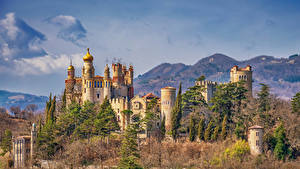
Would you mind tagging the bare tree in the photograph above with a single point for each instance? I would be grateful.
(16, 110)
(31, 108)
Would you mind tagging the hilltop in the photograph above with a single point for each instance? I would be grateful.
(281, 74)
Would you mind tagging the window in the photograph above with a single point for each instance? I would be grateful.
(101, 84)
(257, 142)
(90, 84)
(98, 96)
(257, 134)
(106, 84)
(84, 90)
(95, 84)
(98, 84)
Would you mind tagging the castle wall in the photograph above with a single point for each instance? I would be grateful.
(168, 97)
(118, 105)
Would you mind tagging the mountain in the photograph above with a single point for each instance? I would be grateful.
(281, 74)
(8, 99)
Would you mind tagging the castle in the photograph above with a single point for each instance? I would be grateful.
(236, 74)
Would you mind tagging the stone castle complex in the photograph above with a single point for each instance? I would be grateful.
(119, 90)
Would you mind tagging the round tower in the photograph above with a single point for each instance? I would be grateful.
(242, 74)
(168, 97)
(107, 83)
(255, 139)
(88, 73)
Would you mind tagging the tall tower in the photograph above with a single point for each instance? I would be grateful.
(168, 97)
(242, 74)
(117, 74)
(33, 140)
(255, 139)
(88, 73)
(70, 83)
(107, 83)
(130, 82)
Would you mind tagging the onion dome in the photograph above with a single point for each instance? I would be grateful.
(71, 67)
(88, 56)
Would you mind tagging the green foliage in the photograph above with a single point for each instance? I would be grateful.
(106, 121)
(224, 128)
(129, 148)
(201, 129)
(282, 148)
(238, 150)
(214, 136)
(208, 130)
(6, 143)
(192, 131)
(64, 101)
(228, 99)
(296, 103)
(238, 131)
(176, 115)
(46, 144)
(263, 98)
(193, 98)
(163, 127)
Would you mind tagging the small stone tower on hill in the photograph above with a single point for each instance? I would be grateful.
(255, 139)
(168, 97)
(245, 74)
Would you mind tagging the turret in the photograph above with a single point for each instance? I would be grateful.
(168, 97)
(71, 71)
(242, 74)
(117, 73)
(255, 139)
(106, 73)
(70, 81)
(107, 83)
(88, 73)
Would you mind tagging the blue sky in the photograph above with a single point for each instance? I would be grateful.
(37, 37)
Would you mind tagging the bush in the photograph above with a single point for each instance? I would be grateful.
(238, 150)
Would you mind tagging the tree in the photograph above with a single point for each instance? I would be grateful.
(282, 148)
(6, 143)
(296, 103)
(208, 131)
(224, 128)
(193, 99)
(176, 115)
(201, 129)
(163, 127)
(192, 133)
(16, 110)
(263, 98)
(214, 136)
(129, 148)
(201, 78)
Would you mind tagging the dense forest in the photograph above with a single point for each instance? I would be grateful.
(203, 135)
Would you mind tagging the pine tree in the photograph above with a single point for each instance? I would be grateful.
(201, 129)
(282, 148)
(208, 131)
(264, 98)
(224, 128)
(163, 127)
(214, 136)
(64, 101)
(176, 115)
(192, 133)
(296, 103)
(6, 145)
(129, 148)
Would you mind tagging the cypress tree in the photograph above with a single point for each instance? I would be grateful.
(264, 98)
(208, 131)
(163, 127)
(214, 136)
(64, 101)
(282, 148)
(129, 148)
(201, 129)
(176, 115)
(224, 128)
(192, 133)
(296, 103)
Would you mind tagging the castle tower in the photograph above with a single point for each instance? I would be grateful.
(70, 83)
(168, 97)
(33, 140)
(117, 74)
(130, 82)
(107, 83)
(209, 89)
(88, 73)
(255, 139)
(238, 74)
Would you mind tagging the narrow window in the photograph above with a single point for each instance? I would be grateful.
(257, 142)
(98, 84)
(98, 96)
(257, 134)
(106, 84)
(90, 84)
(101, 84)
(95, 84)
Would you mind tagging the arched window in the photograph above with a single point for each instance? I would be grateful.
(106, 84)
(90, 84)
(98, 84)
(95, 84)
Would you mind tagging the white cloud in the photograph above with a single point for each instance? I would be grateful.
(71, 28)
(18, 39)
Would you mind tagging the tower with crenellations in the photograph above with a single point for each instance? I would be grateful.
(242, 74)
(209, 88)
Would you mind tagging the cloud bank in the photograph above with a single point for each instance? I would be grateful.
(71, 28)
(18, 39)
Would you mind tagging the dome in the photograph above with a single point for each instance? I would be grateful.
(71, 67)
(88, 56)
